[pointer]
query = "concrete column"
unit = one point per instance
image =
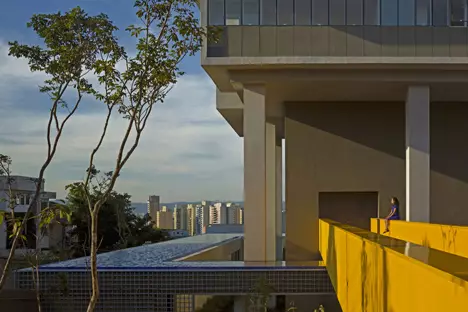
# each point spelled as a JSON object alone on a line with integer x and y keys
{"x": 279, "y": 199}
{"x": 418, "y": 154}
{"x": 259, "y": 178}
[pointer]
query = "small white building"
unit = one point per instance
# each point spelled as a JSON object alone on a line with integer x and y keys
{"x": 23, "y": 188}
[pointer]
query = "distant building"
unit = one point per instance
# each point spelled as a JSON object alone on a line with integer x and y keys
{"x": 191, "y": 220}
{"x": 180, "y": 218}
{"x": 164, "y": 219}
{"x": 202, "y": 217}
{"x": 218, "y": 213}
{"x": 235, "y": 214}
{"x": 153, "y": 206}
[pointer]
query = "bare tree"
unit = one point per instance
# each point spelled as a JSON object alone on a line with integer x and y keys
{"x": 169, "y": 32}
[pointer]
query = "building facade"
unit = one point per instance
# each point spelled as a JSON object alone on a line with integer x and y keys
{"x": 202, "y": 215}
{"x": 368, "y": 97}
{"x": 153, "y": 206}
{"x": 164, "y": 219}
{"x": 218, "y": 213}
{"x": 235, "y": 214}
{"x": 23, "y": 189}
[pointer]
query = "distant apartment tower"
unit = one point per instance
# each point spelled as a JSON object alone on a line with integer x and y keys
{"x": 164, "y": 219}
{"x": 180, "y": 218}
{"x": 235, "y": 214}
{"x": 191, "y": 220}
{"x": 218, "y": 213}
{"x": 202, "y": 215}
{"x": 153, "y": 206}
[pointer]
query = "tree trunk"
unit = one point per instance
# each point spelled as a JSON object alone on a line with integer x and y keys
{"x": 93, "y": 257}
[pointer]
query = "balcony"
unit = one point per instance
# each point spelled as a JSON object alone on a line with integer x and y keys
{"x": 407, "y": 43}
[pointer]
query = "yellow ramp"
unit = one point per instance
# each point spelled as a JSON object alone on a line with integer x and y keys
{"x": 374, "y": 273}
{"x": 449, "y": 238}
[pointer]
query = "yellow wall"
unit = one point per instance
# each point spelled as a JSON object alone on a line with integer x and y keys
{"x": 448, "y": 238}
{"x": 371, "y": 273}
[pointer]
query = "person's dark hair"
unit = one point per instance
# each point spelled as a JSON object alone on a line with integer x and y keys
{"x": 395, "y": 201}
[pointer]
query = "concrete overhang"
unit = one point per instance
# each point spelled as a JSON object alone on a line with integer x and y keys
{"x": 230, "y": 106}
{"x": 312, "y": 82}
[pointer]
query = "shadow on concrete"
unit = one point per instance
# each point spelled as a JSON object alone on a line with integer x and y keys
{"x": 331, "y": 258}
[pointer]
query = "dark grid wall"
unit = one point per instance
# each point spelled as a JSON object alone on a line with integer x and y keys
{"x": 124, "y": 291}
{"x": 338, "y": 12}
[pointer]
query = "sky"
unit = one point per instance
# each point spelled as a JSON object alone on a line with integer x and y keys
{"x": 187, "y": 153}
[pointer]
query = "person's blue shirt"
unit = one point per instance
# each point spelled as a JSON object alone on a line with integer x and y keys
{"x": 396, "y": 213}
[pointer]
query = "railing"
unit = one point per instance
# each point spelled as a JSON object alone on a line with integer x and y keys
{"x": 448, "y": 238}
{"x": 372, "y": 272}
{"x": 341, "y": 41}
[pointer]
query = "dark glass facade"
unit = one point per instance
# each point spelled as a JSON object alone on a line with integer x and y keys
{"x": 339, "y": 12}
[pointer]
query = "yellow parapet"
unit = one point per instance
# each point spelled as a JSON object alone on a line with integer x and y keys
{"x": 375, "y": 273}
{"x": 448, "y": 238}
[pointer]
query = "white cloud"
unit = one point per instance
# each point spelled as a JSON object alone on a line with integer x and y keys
{"x": 187, "y": 152}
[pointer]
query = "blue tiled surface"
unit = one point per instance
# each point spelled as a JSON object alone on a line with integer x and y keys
{"x": 149, "y": 256}
{"x": 162, "y": 256}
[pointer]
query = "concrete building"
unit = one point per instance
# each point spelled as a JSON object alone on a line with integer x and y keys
{"x": 153, "y": 206}
{"x": 202, "y": 215}
{"x": 23, "y": 188}
{"x": 235, "y": 214}
{"x": 369, "y": 99}
{"x": 180, "y": 218}
{"x": 218, "y": 213}
{"x": 164, "y": 219}
{"x": 191, "y": 219}
{"x": 368, "y": 110}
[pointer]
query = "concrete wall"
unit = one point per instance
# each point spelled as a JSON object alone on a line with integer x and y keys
{"x": 219, "y": 253}
{"x": 251, "y": 41}
{"x": 360, "y": 147}
{"x": 449, "y": 163}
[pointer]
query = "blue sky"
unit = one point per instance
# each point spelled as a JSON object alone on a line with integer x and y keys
{"x": 188, "y": 151}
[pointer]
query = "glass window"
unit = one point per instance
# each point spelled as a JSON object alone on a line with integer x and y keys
{"x": 458, "y": 13}
{"x": 371, "y": 12}
{"x": 319, "y": 12}
{"x": 285, "y": 12}
{"x": 354, "y": 12}
{"x": 233, "y": 12}
{"x": 303, "y": 13}
{"x": 268, "y": 12}
{"x": 406, "y": 12}
{"x": 337, "y": 12}
{"x": 423, "y": 12}
{"x": 440, "y": 15}
{"x": 216, "y": 12}
{"x": 389, "y": 12}
{"x": 250, "y": 14}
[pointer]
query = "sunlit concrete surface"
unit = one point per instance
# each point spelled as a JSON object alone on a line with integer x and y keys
{"x": 372, "y": 272}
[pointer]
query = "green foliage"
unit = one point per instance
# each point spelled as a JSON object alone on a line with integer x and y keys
{"x": 261, "y": 295}
{"x": 73, "y": 41}
{"x": 119, "y": 226}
